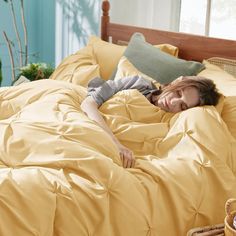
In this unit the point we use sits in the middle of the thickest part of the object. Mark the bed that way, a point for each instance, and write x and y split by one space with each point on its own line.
60 173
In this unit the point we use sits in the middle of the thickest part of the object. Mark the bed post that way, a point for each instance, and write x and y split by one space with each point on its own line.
105 19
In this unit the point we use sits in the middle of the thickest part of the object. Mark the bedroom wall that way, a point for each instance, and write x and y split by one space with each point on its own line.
76 20
57 28
162 14
40 22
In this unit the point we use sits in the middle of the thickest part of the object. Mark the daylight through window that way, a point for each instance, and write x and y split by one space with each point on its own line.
216 18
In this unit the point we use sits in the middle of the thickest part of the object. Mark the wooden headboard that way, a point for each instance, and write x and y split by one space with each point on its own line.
191 47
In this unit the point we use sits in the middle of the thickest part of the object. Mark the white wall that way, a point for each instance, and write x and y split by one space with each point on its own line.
75 21
162 14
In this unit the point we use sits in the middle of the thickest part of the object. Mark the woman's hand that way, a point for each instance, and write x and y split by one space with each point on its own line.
90 108
126 156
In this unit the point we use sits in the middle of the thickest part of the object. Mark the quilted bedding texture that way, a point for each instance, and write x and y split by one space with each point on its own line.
60 173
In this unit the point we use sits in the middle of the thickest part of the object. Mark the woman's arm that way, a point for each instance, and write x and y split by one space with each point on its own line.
90 107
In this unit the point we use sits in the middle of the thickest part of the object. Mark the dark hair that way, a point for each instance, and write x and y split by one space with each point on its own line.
208 92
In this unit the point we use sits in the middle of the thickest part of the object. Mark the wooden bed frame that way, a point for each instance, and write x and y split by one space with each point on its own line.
191 47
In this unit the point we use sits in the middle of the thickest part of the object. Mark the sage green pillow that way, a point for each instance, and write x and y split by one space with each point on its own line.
157 64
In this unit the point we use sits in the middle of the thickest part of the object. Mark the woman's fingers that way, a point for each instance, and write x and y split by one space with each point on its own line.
125 162
127 159
126 156
133 163
121 157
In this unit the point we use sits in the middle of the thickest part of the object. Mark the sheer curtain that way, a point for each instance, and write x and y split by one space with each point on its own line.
75 21
147 13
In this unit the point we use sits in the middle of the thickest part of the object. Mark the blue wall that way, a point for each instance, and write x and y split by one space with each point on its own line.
40 20
56 28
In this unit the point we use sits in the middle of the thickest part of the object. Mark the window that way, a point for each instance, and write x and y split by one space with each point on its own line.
215 18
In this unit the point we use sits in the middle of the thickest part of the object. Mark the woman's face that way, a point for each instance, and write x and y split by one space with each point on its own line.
177 101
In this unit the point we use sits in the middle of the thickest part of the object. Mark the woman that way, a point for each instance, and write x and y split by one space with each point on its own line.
183 93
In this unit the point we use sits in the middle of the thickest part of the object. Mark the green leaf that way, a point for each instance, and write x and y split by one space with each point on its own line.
35 71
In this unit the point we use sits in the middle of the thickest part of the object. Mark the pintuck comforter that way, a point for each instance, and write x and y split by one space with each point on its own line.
61 174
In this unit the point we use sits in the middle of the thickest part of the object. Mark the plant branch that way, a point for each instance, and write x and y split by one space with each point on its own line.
11 55
17 32
25 31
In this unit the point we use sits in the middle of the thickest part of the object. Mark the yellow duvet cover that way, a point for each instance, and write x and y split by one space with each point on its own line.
60 173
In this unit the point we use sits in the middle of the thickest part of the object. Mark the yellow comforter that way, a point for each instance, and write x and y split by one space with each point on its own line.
61 174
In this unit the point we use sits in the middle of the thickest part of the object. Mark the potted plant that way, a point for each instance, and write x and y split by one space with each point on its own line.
33 71
27 71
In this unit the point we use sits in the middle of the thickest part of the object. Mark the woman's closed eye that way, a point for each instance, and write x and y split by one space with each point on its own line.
179 93
184 106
